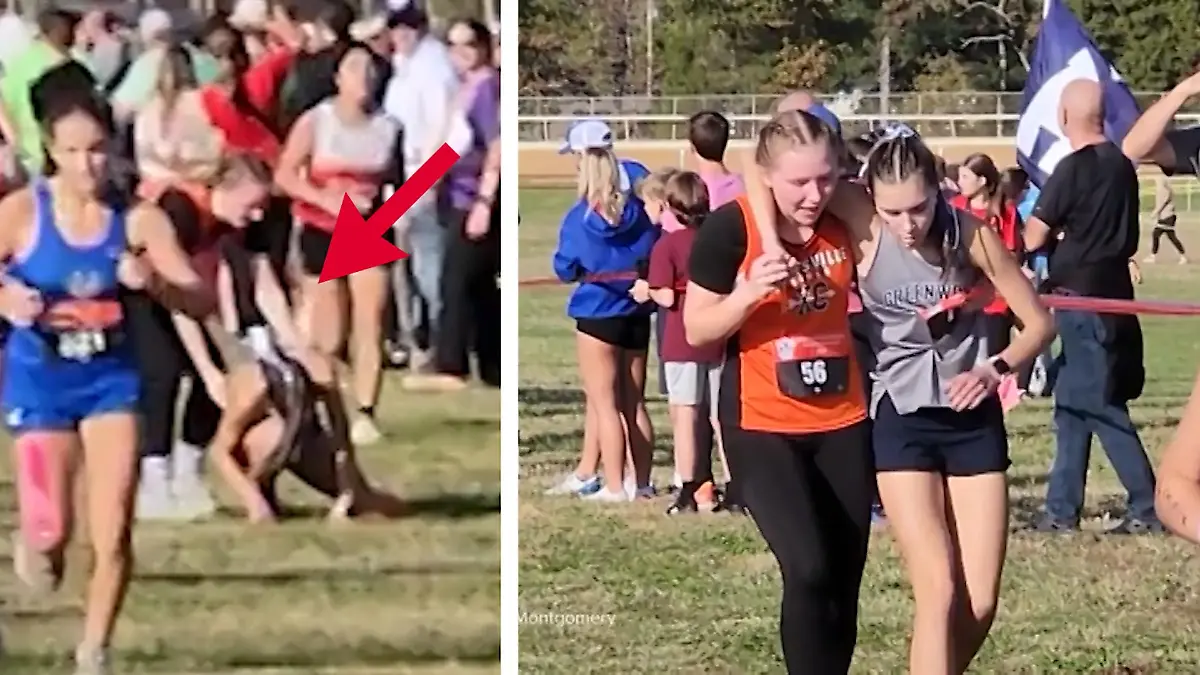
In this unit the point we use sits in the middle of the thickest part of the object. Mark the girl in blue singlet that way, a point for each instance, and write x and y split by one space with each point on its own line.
71 380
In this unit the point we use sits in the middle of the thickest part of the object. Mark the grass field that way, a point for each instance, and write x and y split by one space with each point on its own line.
700 594
420 595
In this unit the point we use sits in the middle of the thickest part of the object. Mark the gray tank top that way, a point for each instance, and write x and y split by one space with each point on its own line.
367 148
913 365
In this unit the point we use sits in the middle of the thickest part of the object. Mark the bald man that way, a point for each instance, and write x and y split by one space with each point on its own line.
805 101
1092 200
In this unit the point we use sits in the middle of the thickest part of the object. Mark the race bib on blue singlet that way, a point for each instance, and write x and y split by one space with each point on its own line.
81 330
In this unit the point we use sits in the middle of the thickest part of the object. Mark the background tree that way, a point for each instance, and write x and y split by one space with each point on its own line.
598 47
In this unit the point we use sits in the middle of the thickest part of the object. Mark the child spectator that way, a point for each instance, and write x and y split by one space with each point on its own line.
692 374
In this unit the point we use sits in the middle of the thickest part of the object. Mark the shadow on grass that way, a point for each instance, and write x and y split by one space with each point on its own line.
319 652
557 396
449 505
57 612
1025 511
543 402
548 442
324 574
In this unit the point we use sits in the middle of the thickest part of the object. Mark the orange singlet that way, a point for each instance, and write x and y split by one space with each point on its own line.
791 367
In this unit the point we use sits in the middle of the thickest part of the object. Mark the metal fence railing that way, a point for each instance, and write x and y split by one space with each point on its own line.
670 127
900 103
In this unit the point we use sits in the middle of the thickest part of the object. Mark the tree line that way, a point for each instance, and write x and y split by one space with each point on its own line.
677 47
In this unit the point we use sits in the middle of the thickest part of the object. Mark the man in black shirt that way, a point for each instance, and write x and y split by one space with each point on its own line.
1092 200
311 78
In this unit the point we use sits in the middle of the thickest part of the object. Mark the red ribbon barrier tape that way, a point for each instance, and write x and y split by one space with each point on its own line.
1079 303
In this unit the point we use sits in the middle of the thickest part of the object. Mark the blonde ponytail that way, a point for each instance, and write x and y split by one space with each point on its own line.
600 183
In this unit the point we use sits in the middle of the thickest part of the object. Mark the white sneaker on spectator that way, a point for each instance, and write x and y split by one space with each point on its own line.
91 660
633 492
574 485
644 492
155 501
605 495
1038 378
192 497
364 432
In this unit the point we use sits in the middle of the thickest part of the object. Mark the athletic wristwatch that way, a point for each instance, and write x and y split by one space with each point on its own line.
1000 365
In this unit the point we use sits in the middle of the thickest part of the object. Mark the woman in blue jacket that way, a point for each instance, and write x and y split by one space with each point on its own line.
607 231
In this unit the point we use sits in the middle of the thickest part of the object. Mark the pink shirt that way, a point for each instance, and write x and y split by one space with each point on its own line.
722 189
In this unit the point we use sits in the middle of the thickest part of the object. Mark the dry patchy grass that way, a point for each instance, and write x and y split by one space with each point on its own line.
420 595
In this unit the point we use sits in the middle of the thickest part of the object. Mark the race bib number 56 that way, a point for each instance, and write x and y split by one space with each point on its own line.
807 368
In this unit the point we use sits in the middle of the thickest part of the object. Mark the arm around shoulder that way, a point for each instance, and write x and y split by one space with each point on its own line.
172 279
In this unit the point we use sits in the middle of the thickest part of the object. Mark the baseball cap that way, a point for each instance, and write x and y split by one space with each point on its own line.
369 28
825 115
406 14
154 23
249 14
588 134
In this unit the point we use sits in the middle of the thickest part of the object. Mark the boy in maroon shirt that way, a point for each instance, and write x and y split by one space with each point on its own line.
693 374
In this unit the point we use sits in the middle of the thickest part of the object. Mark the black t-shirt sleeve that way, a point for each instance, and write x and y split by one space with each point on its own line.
1054 203
718 250
1185 146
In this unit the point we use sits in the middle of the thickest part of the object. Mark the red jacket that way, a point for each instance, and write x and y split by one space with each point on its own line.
1007 225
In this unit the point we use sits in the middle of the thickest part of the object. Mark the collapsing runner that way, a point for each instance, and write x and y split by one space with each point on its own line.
281 411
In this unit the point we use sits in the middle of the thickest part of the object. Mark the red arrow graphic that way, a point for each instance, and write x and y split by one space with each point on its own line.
358 244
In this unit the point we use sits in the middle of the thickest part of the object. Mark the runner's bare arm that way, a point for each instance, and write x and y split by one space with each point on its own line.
175 282
246 400
16 208
1146 141
989 254
762 205
232 351
191 334
272 302
16 211
1177 498
850 203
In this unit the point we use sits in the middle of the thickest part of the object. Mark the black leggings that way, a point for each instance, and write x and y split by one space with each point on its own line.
811 498
470 300
1169 233
163 362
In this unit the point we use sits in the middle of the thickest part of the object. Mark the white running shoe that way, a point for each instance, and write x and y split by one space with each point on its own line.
574 485
91 661
155 501
363 431
192 497
606 495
